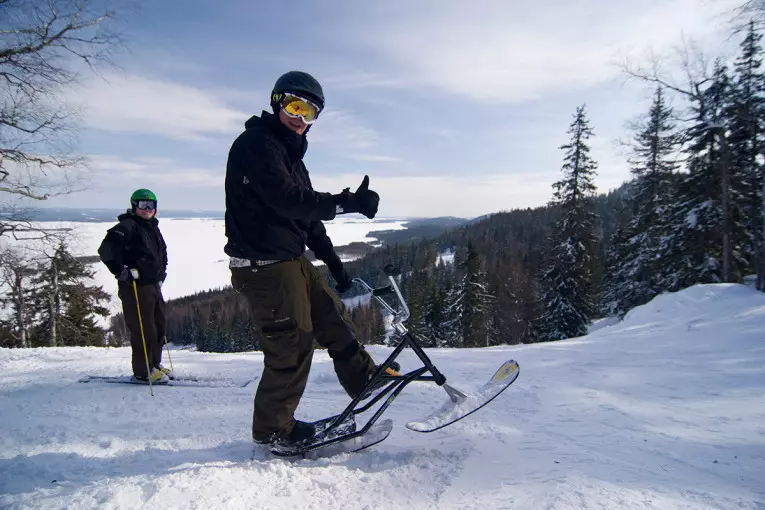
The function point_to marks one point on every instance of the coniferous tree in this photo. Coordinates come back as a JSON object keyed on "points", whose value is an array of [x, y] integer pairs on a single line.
{"points": [[369, 324], [704, 243], [747, 143], [434, 332], [567, 299], [514, 310], [473, 302], [635, 256], [66, 304]]}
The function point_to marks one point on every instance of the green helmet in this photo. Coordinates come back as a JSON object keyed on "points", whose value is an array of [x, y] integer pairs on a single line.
{"points": [[142, 194]]}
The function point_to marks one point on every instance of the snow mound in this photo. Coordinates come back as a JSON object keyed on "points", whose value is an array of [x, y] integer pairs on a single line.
{"points": [[697, 303], [662, 410]]}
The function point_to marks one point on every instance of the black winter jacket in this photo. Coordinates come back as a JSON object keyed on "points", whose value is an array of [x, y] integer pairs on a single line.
{"points": [[138, 244], [272, 211]]}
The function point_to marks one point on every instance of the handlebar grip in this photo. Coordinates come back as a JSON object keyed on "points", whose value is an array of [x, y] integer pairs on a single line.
{"points": [[391, 270], [381, 291]]}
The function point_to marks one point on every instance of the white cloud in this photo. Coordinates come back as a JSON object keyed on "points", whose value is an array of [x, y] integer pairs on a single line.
{"points": [[138, 104], [361, 79], [348, 137], [156, 171], [514, 51]]}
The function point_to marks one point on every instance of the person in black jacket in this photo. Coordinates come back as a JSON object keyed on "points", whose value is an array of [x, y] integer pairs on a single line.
{"points": [[272, 214], [135, 251]]}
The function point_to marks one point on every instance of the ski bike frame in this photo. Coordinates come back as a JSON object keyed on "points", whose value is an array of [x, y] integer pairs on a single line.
{"points": [[396, 382]]}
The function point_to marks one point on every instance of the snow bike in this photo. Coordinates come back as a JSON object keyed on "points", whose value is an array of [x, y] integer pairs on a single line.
{"points": [[339, 433]]}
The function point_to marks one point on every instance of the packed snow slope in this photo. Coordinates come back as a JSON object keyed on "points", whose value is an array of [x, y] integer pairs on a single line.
{"points": [[665, 409]]}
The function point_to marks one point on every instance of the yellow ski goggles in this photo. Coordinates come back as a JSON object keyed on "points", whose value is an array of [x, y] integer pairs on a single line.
{"points": [[296, 106]]}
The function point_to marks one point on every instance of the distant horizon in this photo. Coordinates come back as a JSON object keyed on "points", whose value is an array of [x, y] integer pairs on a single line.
{"points": [[223, 212]]}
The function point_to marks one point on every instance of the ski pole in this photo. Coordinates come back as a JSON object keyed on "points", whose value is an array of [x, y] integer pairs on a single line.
{"points": [[143, 337], [168, 355]]}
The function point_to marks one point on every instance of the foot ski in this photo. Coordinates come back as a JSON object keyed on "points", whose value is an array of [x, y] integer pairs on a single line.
{"points": [[178, 381], [341, 439], [450, 412]]}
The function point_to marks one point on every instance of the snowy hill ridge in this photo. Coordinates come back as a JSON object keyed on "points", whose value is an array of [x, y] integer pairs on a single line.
{"points": [[665, 409]]}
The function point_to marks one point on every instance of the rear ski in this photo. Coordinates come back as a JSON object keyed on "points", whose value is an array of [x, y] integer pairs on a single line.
{"points": [[333, 439]]}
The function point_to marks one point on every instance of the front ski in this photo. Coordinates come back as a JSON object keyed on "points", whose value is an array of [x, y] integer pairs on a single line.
{"points": [[469, 402], [343, 438], [192, 382]]}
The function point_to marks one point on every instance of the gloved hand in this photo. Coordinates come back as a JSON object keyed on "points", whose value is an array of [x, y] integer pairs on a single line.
{"points": [[364, 200], [128, 275], [343, 280]]}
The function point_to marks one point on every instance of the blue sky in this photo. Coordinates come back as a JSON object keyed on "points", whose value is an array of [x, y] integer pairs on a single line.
{"points": [[451, 107]]}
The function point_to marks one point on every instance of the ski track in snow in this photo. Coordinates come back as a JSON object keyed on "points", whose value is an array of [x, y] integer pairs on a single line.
{"points": [[662, 410]]}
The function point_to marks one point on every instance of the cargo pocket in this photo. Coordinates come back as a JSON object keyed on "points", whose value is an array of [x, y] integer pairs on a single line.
{"points": [[239, 278], [280, 344]]}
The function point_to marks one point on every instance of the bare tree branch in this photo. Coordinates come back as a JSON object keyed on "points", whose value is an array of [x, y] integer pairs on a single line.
{"points": [[751, 11], [43, 44]]}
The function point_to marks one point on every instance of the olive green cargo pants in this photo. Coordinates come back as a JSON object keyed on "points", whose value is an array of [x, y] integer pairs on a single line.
{"points": [[292, 304], [153, 320]]}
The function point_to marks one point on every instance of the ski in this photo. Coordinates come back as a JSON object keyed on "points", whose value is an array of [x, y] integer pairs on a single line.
{"points": [[193, 382], [343, 438], [468, 402]]}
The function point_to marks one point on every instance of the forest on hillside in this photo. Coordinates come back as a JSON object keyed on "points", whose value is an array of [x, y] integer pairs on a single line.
{"points": [[692, 212]]}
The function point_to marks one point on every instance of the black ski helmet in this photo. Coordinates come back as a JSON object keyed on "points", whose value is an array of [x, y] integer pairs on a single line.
{"points": [[299, 83]]}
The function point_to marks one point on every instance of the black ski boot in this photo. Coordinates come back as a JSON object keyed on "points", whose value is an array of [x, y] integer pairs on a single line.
{"points": [[301, 432]]}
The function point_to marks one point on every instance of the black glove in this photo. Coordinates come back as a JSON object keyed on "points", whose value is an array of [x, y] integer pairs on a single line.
{"points": [[364, 200], [127, 274], [343, 280]]}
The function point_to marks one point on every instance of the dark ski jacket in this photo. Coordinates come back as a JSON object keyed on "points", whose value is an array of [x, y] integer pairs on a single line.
{"points": [[138, 244], [272, 211]]}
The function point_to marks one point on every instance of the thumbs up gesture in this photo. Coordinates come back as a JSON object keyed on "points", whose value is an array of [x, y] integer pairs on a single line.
{"points": [[363, 200], [367, 200]]}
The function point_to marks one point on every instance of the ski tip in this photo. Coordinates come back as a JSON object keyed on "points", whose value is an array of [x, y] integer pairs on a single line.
{"points": [[508, 370]]}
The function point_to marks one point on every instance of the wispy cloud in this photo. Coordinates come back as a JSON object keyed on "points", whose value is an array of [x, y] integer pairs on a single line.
{"points": [[361, 80], [491, 52], [344, 134], [157, 171], [138, 104]]}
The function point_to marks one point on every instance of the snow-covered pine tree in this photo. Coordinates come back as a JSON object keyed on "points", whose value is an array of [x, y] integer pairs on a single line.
{"points": [[634, 260], [703, 225], [519, 308], [567, 300], [437, 328], [474, 302], [747, 142], [66, 303]]}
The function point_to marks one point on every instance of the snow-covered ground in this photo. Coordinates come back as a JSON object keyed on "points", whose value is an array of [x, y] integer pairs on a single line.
{"points": [[663, 410], [196, 261], [447, 257]]}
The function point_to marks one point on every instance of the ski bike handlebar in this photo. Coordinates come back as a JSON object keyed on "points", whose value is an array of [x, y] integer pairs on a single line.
{"points": [[399, 316]]}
